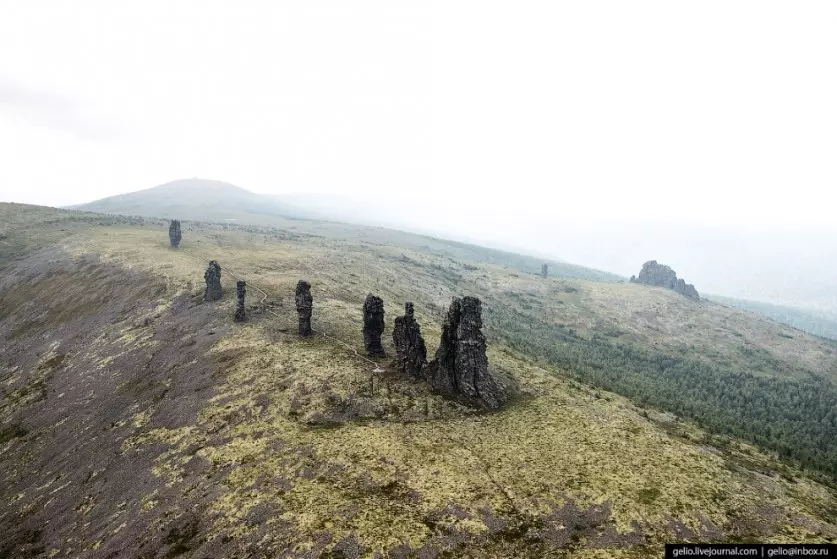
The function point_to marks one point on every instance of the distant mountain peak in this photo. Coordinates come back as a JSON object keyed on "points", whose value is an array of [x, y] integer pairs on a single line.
{"points": [[199, 184], [193, 198]]}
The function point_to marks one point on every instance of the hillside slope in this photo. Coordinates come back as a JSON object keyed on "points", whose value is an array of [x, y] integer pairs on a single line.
{"points": [[819, 323], [217, 201], [138, 421], [342, 217]]}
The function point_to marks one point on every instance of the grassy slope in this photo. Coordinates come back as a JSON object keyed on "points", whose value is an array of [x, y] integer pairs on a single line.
{"points": [[817, 323], [206, 200], [561, 469], [197, 199]]}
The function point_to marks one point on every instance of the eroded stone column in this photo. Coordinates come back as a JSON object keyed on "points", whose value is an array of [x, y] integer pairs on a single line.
{"points": [[174, 233], [410, 351], [460, 368], [373, 325], [212, 277], [240, 292], [304, 307]]}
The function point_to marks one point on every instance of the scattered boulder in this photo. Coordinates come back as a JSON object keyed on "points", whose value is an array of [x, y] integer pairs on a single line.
{"points": [[304, 307], [661, 275], [410, 351], [373, 325], [544, 270], [174, 233], [212, 276], [460, 368], [240, 291]]}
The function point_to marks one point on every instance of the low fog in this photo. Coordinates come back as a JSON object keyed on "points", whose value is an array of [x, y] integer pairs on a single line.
{"points": [[792, 266], [606, 135]]}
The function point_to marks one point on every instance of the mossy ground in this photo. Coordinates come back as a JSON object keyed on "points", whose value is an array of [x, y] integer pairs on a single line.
{"points": [[295, 448]]}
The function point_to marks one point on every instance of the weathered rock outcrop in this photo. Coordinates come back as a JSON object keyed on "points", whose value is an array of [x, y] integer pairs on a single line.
{"points": [[661, 275], [174, 233], [544, 270], [410, 351], [460, 369], [373, 325], [304, 307], [240, 292], [212, 277]]}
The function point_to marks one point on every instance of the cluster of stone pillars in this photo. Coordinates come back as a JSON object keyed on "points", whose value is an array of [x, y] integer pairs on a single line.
{"points": [[304, 300], [459, 368]]}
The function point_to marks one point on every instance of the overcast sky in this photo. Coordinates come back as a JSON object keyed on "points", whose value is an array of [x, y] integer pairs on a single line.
{"points": [[518, 122]]}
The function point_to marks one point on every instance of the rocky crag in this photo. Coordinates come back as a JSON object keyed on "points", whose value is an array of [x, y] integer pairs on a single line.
{"points": [[174, 233], [661, 275], [212, 277], [373, 326], [240, 291], [304, 307], [410, 351], [460, 367]]}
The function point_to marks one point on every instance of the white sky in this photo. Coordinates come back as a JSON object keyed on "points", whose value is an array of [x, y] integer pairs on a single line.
{"points": [[493, 120]]}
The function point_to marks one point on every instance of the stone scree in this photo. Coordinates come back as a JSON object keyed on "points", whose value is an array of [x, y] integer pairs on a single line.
{"points": [[410, 351], [660, 275], [212, 276], [373, 326], [240, 292], [304, 307], [174, 233]]}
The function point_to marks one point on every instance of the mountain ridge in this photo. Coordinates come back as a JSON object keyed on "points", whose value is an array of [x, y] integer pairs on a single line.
{"points": [[138, 419]]}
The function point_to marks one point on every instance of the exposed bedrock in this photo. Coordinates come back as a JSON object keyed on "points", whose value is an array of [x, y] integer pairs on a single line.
{"points": [[661, 275]]}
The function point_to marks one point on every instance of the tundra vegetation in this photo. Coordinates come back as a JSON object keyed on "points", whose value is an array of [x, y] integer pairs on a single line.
{"points": [[137, 419]]}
